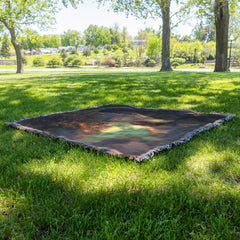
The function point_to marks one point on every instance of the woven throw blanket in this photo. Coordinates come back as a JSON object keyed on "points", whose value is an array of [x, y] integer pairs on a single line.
{"points": [[122, 130]]}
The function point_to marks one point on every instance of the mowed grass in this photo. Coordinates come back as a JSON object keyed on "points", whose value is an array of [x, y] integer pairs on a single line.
{"points": [[53, 190]]}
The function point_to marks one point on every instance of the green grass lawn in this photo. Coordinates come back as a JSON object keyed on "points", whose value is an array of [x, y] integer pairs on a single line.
{"points": [[52, 190]]}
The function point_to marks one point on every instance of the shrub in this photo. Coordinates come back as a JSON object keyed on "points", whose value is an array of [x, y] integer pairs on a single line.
{"points": [[150, 62], [138, 62], [178, 60], [118, 52], [96, 50], [195, 56], [175, 64], [119, 60], [86, 52], [115, 46], [97, 62], [131, 46], [63, 54], [122, 45], [109, 61], [105, 52], [109, 48], [195, 59], [125, 50], [180, 54], [126, 59], [203, 59], [130, 63], [74, 51], [236, 54], [211, 57], [24, 60], [73, 61], [76, 62], [68, 60], [54, 62], [38, 62]]}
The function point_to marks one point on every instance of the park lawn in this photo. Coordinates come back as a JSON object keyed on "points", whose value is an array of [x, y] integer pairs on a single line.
{"points": [[53, 190]]}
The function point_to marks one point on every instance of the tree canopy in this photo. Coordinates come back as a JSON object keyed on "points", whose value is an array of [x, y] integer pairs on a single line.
{"points": [[97, 36], [22, 13], [234, 25], [71, 38], [17, 15]]}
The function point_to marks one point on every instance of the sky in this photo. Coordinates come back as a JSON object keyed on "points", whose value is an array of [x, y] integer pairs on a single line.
{"points": [[88, 13]]}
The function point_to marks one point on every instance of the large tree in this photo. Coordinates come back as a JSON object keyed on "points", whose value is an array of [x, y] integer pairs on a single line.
{"points": [[221, 10], [115, 35], [97, 36], [221, 13], [144, 9], [16, 15], [124, 35], [72, 38], [51, 41], [145, 34]]}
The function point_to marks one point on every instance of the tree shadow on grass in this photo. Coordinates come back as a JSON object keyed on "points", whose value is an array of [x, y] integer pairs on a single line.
{"points": [[43, 206], [68, 91]]}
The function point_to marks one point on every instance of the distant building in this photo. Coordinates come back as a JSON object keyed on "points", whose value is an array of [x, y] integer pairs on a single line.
{"points": [[67, 48], [48, 50], [82, 48], [137, 43], [102, 47], [33, 52]]}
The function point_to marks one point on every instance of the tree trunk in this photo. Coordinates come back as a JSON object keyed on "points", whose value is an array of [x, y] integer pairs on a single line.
{"points": [[17, 48], [221, 12], [165, 8]]}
